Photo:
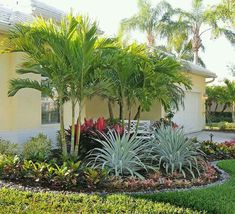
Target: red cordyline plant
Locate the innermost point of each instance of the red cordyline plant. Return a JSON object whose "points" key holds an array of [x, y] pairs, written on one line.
{"points": [[91, 130]]}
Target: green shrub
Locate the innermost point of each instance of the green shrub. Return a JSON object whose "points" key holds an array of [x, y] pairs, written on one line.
{"points": [[13, 201], [8, 148], [121, 155], [37, 148], [218, 151], [175, 152]]}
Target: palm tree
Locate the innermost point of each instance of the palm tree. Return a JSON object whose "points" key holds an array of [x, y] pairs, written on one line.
{"points": [[196, 23], [83, 57], [148, 19], [41, 42], [180, 47], [65, 53]]}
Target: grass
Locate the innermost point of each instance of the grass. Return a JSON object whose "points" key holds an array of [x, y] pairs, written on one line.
{"points": [[217, 200]]}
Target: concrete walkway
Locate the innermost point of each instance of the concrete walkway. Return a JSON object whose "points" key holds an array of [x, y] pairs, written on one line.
{"points": [[219, 137]]}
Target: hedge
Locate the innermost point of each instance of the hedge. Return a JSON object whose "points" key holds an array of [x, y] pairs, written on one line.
{"points": [[14, 201]]}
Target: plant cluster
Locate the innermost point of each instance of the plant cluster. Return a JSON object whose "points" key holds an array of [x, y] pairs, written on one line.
{"points": [[8, 148], [173, 151], [37, 148], [41, 203], [225, 126], [69, 175], [91, 130], [122, 155], [170, 151], [74, 176], [120, 160], [219, 151], [78, 63]]}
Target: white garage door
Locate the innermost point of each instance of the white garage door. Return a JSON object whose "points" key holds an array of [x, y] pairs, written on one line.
{"points": [[189, 116]]}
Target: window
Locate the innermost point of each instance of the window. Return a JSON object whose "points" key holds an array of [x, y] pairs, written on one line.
{"points": [[50, 110]]}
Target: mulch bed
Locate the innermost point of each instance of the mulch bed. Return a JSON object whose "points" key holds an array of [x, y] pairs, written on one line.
{"points": [[220, 178]]}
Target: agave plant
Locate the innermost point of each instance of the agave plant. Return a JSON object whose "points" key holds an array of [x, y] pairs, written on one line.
{"points": [[175, 152], [121, 155]]}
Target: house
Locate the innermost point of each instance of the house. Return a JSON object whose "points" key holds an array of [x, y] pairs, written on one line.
{"points": [[28, 113]]}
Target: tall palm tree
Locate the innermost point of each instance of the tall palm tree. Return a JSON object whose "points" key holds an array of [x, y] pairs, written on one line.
{"points": [[41, 42], [148, 19], [65, 53], [196, 23], [83, 54], [181, 48]]}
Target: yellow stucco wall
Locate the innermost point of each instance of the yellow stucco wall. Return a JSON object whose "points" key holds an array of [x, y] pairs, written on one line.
{"points": [[199, 85], [97, 107], [24, 109]]}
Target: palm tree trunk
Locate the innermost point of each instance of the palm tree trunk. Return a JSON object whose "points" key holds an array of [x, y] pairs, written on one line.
{"points": [[62, 133], [110, 109], [137, 116], [129, 117], [224, 107], [216, 106], [196, 44], [121, 110], [73, 128], [233, 112], [151, 39], [195, 57], [78, 130]]}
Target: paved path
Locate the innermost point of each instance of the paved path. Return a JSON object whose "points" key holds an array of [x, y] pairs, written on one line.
{"points": [[217, 136]]}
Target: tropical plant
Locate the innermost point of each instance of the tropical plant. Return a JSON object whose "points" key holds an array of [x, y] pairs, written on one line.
{"points": [[43, 42], [37, 148], [121, 155], [195, 23], [140, 77], [89, 131], [65, 53], [7, 148], [83, 58], [174, 152], [180, 47], [148, 19]]}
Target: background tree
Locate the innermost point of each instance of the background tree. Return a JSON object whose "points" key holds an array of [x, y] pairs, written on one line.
{"points": [[196, 22], [231, 95], [148, 19]]}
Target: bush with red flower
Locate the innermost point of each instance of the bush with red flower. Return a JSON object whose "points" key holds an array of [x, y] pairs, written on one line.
{"points": [[91, 130]]}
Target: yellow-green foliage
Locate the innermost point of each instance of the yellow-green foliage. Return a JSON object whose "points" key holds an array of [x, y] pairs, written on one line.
{"points": [[37, 148], [8, 148], [13, 201]]}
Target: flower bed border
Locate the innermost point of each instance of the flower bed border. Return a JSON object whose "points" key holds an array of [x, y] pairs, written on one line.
{"points": [[224, 176]]}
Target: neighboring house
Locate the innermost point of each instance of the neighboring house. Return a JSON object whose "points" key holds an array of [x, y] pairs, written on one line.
{"points": [[28, 113]]}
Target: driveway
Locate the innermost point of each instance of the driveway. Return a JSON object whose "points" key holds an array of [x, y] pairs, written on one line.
{"points": [[217, 136]]}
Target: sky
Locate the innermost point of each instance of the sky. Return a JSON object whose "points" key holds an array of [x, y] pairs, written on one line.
{"points": [[218, 52]]}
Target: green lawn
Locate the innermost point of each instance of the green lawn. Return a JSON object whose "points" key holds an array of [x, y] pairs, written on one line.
{"points": [[219, 199]]}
